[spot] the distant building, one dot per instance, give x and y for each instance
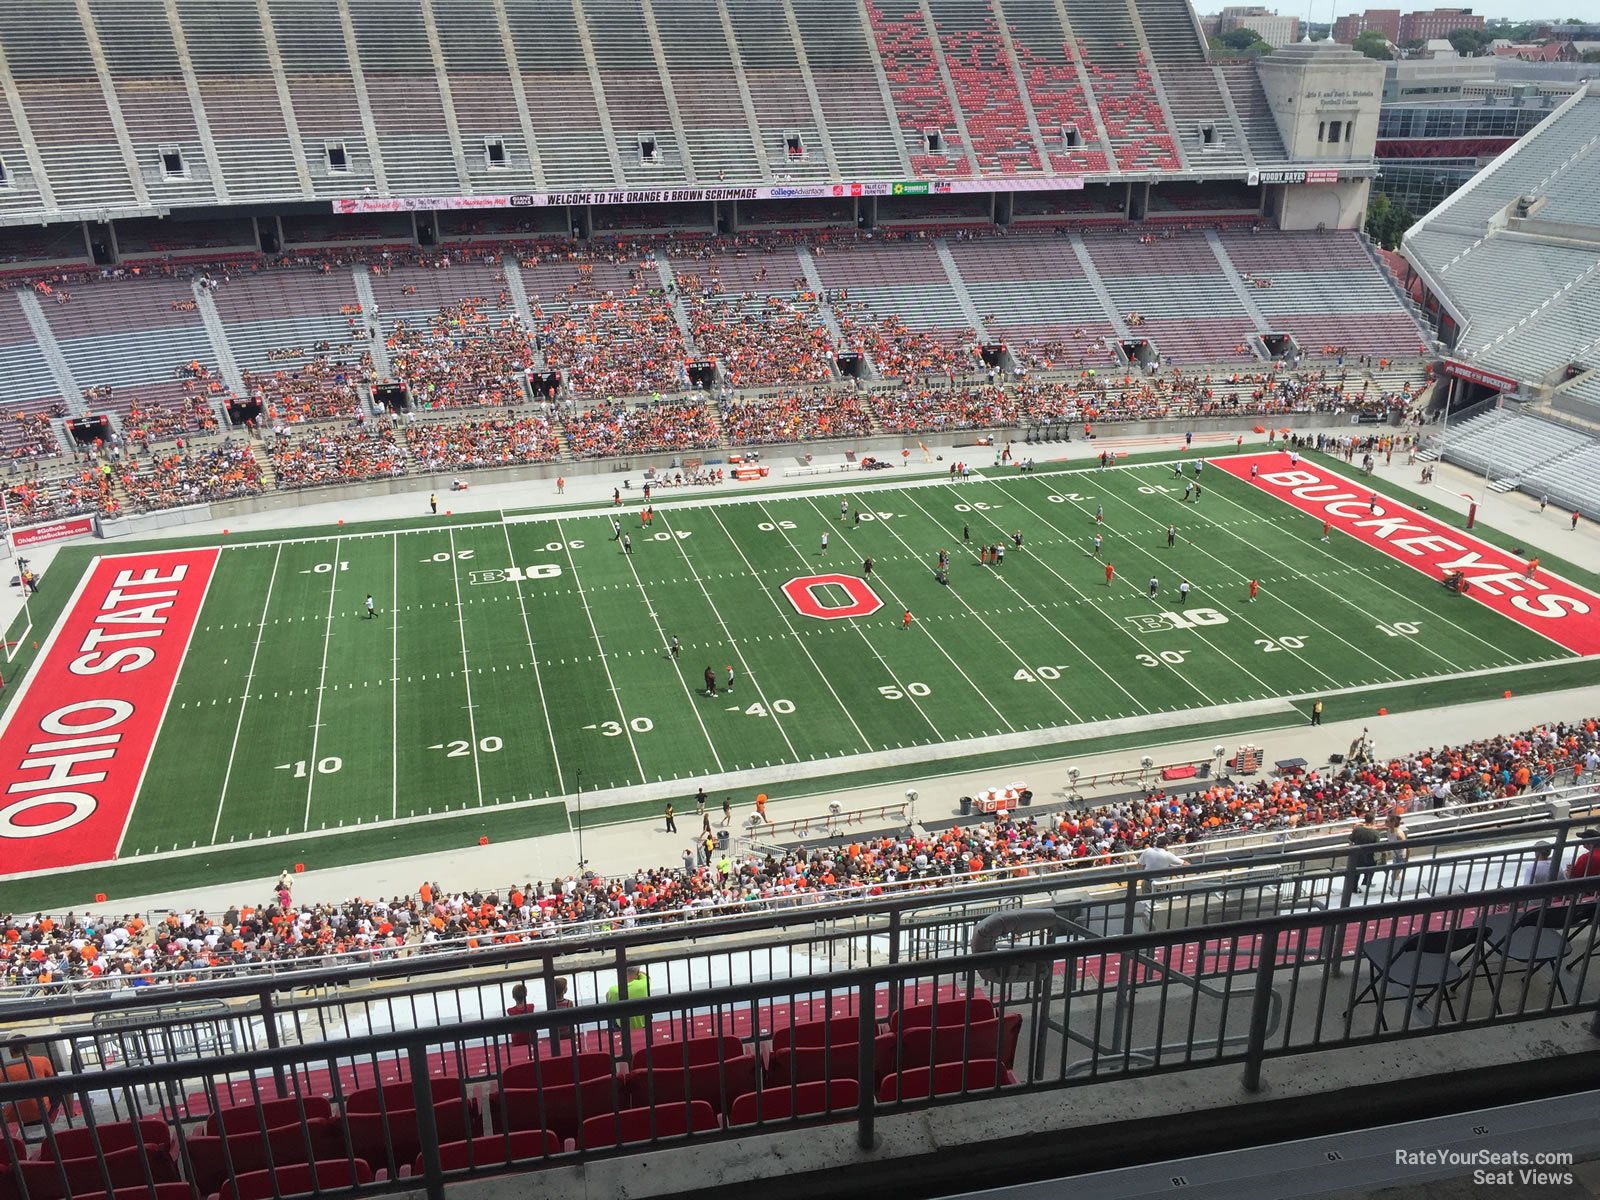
(1274, 30)
(1380, 20)
(1440, 23)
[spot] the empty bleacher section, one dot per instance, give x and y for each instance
(1516, 449)
(1120, 79)
(484, 104)
(1199, 114)
(1032, 294)
(647, 139)
(239, 92)
(276, 316)
(922, 105)
(137, 330)
(706, 89)
(1170, 289)
(778, 90)
(1250, 101)
(403, 95)
(317, 70)
(1325, 290)
(1055, 88)
(573, 143)
(72, 129)
(843, 68)
(986, 90)
(28, 390)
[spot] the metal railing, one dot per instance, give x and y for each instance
(409, 1109)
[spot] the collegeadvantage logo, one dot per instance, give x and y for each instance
(1516, 588)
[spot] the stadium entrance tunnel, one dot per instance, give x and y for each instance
(392, 396)
(543, 385)
(86, 431)
(1280, 346)
(1141, 353)
(703, 374)
(242, 412)
(851, 365)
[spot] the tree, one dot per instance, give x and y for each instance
(1469, 42)
(1387, 222)
(1591, 56)
(1373, 44)
(1240, 39)
(1413, 44)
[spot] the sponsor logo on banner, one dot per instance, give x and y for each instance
(55, 531)
(1562, 611)
(74, 747)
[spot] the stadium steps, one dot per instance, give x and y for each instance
(635, 95)
(221, 350)
(1108, 306)
(66, 385)
(711, 94)
(554, 56)
(958, 285)
(707, 92)
(852, 90)
(1008, 41)
(669, 287)
(1254, 110)
(825, 313)
(1236, 282)
(772, 63)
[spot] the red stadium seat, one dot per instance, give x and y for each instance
(923, 1047)
(124, 1169)
(400, 1095)
(830, 1031)
(813, 1064)
(556, 1072)
(694, 1051)
(164, 1191)
(642, 1124)
(944, 1080)
(269, 1114)
(955, 1011)
(374, 1135)
(805, 1100)
(717, 1083)
(210, 1162)
(298, 1180)
(151, 1132)
(563, 1110)
(494, 1150)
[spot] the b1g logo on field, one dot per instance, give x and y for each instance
(1189, 618)
(803, 593)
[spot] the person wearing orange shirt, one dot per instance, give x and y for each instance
(20, 1065)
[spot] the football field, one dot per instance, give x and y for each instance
(521, 659)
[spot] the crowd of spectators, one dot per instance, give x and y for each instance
(492, 442)
(602, 430)
(48, 498)
(32, 435)
(617, 346)
(164, 422)
(316, 388)
(795, 417)
(42, 950)
(312, 457)
(763, 341)
(897, 350)
(177, 477)
(465, 357)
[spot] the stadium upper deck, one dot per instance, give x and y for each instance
(120, 108)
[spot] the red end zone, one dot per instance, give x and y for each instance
(73, 748)
(1563, 612)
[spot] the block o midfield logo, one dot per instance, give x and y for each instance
(802, 593)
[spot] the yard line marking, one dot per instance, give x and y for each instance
(1433, 614)
(222, 798)
(394, 683)
(805, 562)
(538, 681)
(466, 671)
(662, 634)
(316, 727)
(1388, 670)
(728, 633)
(793, 632)
(605, 664)
(1092, 660)
(889, 525)
(1198, 632)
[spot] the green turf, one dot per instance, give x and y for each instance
(474, 689)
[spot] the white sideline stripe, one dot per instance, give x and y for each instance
(166, 702)
(21, 687)
(821, 769)
(538, 680)
(322, 684)
(466, 674)
(244, 702)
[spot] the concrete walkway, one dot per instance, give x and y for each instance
(621, 848)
